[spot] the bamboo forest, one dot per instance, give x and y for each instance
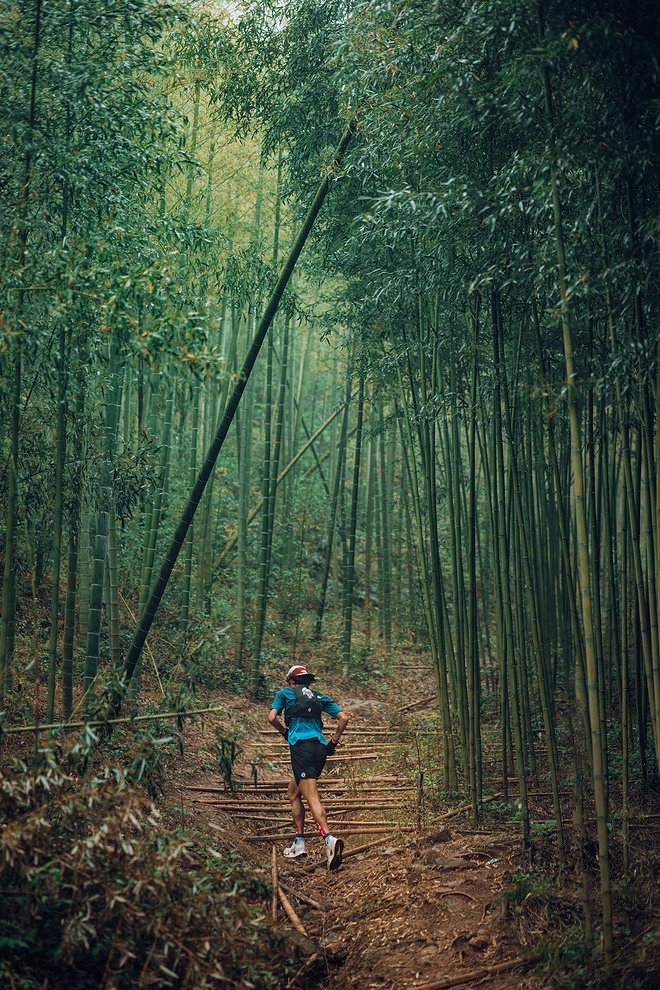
(329, 336)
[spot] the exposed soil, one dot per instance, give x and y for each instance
(413, 910)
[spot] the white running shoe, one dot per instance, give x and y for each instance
(335, 848)
(297, 849)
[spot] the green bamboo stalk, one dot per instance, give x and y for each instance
(599, 767)
(433, 595)
(385, 556)
(155, 519)
(337, 475)
(72, 561)
(368, 537)
(192, 474)
(268, 515)
(9, 577)
(113, 585)
(349, 577)
(504, 578)
(473, 646)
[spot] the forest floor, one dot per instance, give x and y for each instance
(422, 906)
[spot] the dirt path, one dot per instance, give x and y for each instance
(421, 909)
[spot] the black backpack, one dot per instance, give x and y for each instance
(306, 705)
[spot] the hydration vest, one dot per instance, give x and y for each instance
(306, 705)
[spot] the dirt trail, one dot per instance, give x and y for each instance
(418, 909)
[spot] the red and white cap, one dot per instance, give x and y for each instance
(298, 672)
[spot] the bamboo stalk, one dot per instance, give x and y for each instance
(371, 783)
(286, 824)
(274, 874)
(351, 852)
(338, 833)
(288, 907)
(111, 721)
(303, 897)
(478, 974)
(340, 759)
(353, 731)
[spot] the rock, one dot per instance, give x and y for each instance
(353, 704)
(304, 944)
(442, 835)
(443, 863)
(329, 939)
(336, 951)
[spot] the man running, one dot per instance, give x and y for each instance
(303, 726)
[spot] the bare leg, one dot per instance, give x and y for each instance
(310, 792)
(297, 807)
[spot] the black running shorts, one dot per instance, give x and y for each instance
(308, 759)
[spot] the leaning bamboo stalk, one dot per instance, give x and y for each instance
(195, 496)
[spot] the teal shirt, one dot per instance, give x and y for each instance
(304, 728)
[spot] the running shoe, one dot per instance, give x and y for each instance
(335, 848)
(295, 850)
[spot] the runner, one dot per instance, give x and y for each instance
(303, 727)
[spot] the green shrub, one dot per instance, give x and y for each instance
(94, 892)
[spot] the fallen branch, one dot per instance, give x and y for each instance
(478, 974)
(304, 898)
(293, 917)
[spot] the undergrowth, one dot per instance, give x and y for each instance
(95, 892)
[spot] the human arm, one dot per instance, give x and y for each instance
(342, 722)
(273, 719)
